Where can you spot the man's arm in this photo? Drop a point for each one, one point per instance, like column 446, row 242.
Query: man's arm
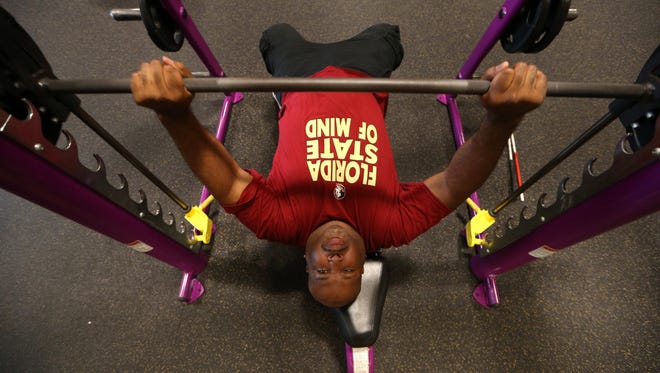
column 159, row 86
column 513, row 92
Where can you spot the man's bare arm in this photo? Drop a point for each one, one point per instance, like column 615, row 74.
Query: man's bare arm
column 159, row 86
column 513, row 92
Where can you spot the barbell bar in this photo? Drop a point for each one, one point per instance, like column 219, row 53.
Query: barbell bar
column 449, row 86
column 132, row 14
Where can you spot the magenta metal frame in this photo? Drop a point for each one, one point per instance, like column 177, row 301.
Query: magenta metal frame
column 639, row 191
column 27, row 170
column 350, row 361
column 497, row 26
column 180, row 15
column 178, row 12
column 491, row 36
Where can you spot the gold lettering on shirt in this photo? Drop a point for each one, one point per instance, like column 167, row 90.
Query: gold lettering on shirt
column 333, row 156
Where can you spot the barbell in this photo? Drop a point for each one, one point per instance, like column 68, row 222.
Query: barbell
column 449, row 86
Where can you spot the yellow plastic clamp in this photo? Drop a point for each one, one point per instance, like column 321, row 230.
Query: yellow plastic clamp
column 202, row 223
column 478, row 224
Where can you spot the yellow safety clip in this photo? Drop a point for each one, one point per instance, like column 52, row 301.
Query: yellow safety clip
column 478, row 224
column 202, row 223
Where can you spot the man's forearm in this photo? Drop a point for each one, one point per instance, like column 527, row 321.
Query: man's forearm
column 158, row 85
column 512, row 93
column 207, row 157
column 475, row 160
column 472, row 163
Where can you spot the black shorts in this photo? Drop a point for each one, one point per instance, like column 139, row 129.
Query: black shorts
column 376, row 51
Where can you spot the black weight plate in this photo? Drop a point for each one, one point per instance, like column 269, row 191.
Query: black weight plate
column 162, row 30
column 526, row 27
column 22, row 65
column 554, row 22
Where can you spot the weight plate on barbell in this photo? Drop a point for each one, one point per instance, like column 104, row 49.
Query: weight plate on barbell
column 526, row 27
column 22, row 65
column 553, row 24
column 162, row 29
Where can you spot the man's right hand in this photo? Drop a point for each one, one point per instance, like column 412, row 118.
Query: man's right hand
column 158, row 85
column 513, row 92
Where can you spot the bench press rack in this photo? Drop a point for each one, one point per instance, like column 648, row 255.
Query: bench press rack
column 30, row 160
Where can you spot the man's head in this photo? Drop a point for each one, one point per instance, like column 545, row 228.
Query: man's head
column 335, row 255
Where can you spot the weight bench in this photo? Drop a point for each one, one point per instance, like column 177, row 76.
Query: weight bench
column 359, row 323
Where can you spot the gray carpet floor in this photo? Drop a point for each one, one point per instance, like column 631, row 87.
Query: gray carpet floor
column 74, row 300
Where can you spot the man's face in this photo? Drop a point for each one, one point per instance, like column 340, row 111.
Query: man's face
column 335, row 255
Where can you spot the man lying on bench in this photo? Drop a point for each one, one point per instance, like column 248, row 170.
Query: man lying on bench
column 333, row 187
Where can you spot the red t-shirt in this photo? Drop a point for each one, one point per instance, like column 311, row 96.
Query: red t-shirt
column 334, row 162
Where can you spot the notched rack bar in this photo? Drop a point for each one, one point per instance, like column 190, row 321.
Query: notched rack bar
column 451, row 86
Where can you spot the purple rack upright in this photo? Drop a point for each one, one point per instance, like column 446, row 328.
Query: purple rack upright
column 492, row 34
